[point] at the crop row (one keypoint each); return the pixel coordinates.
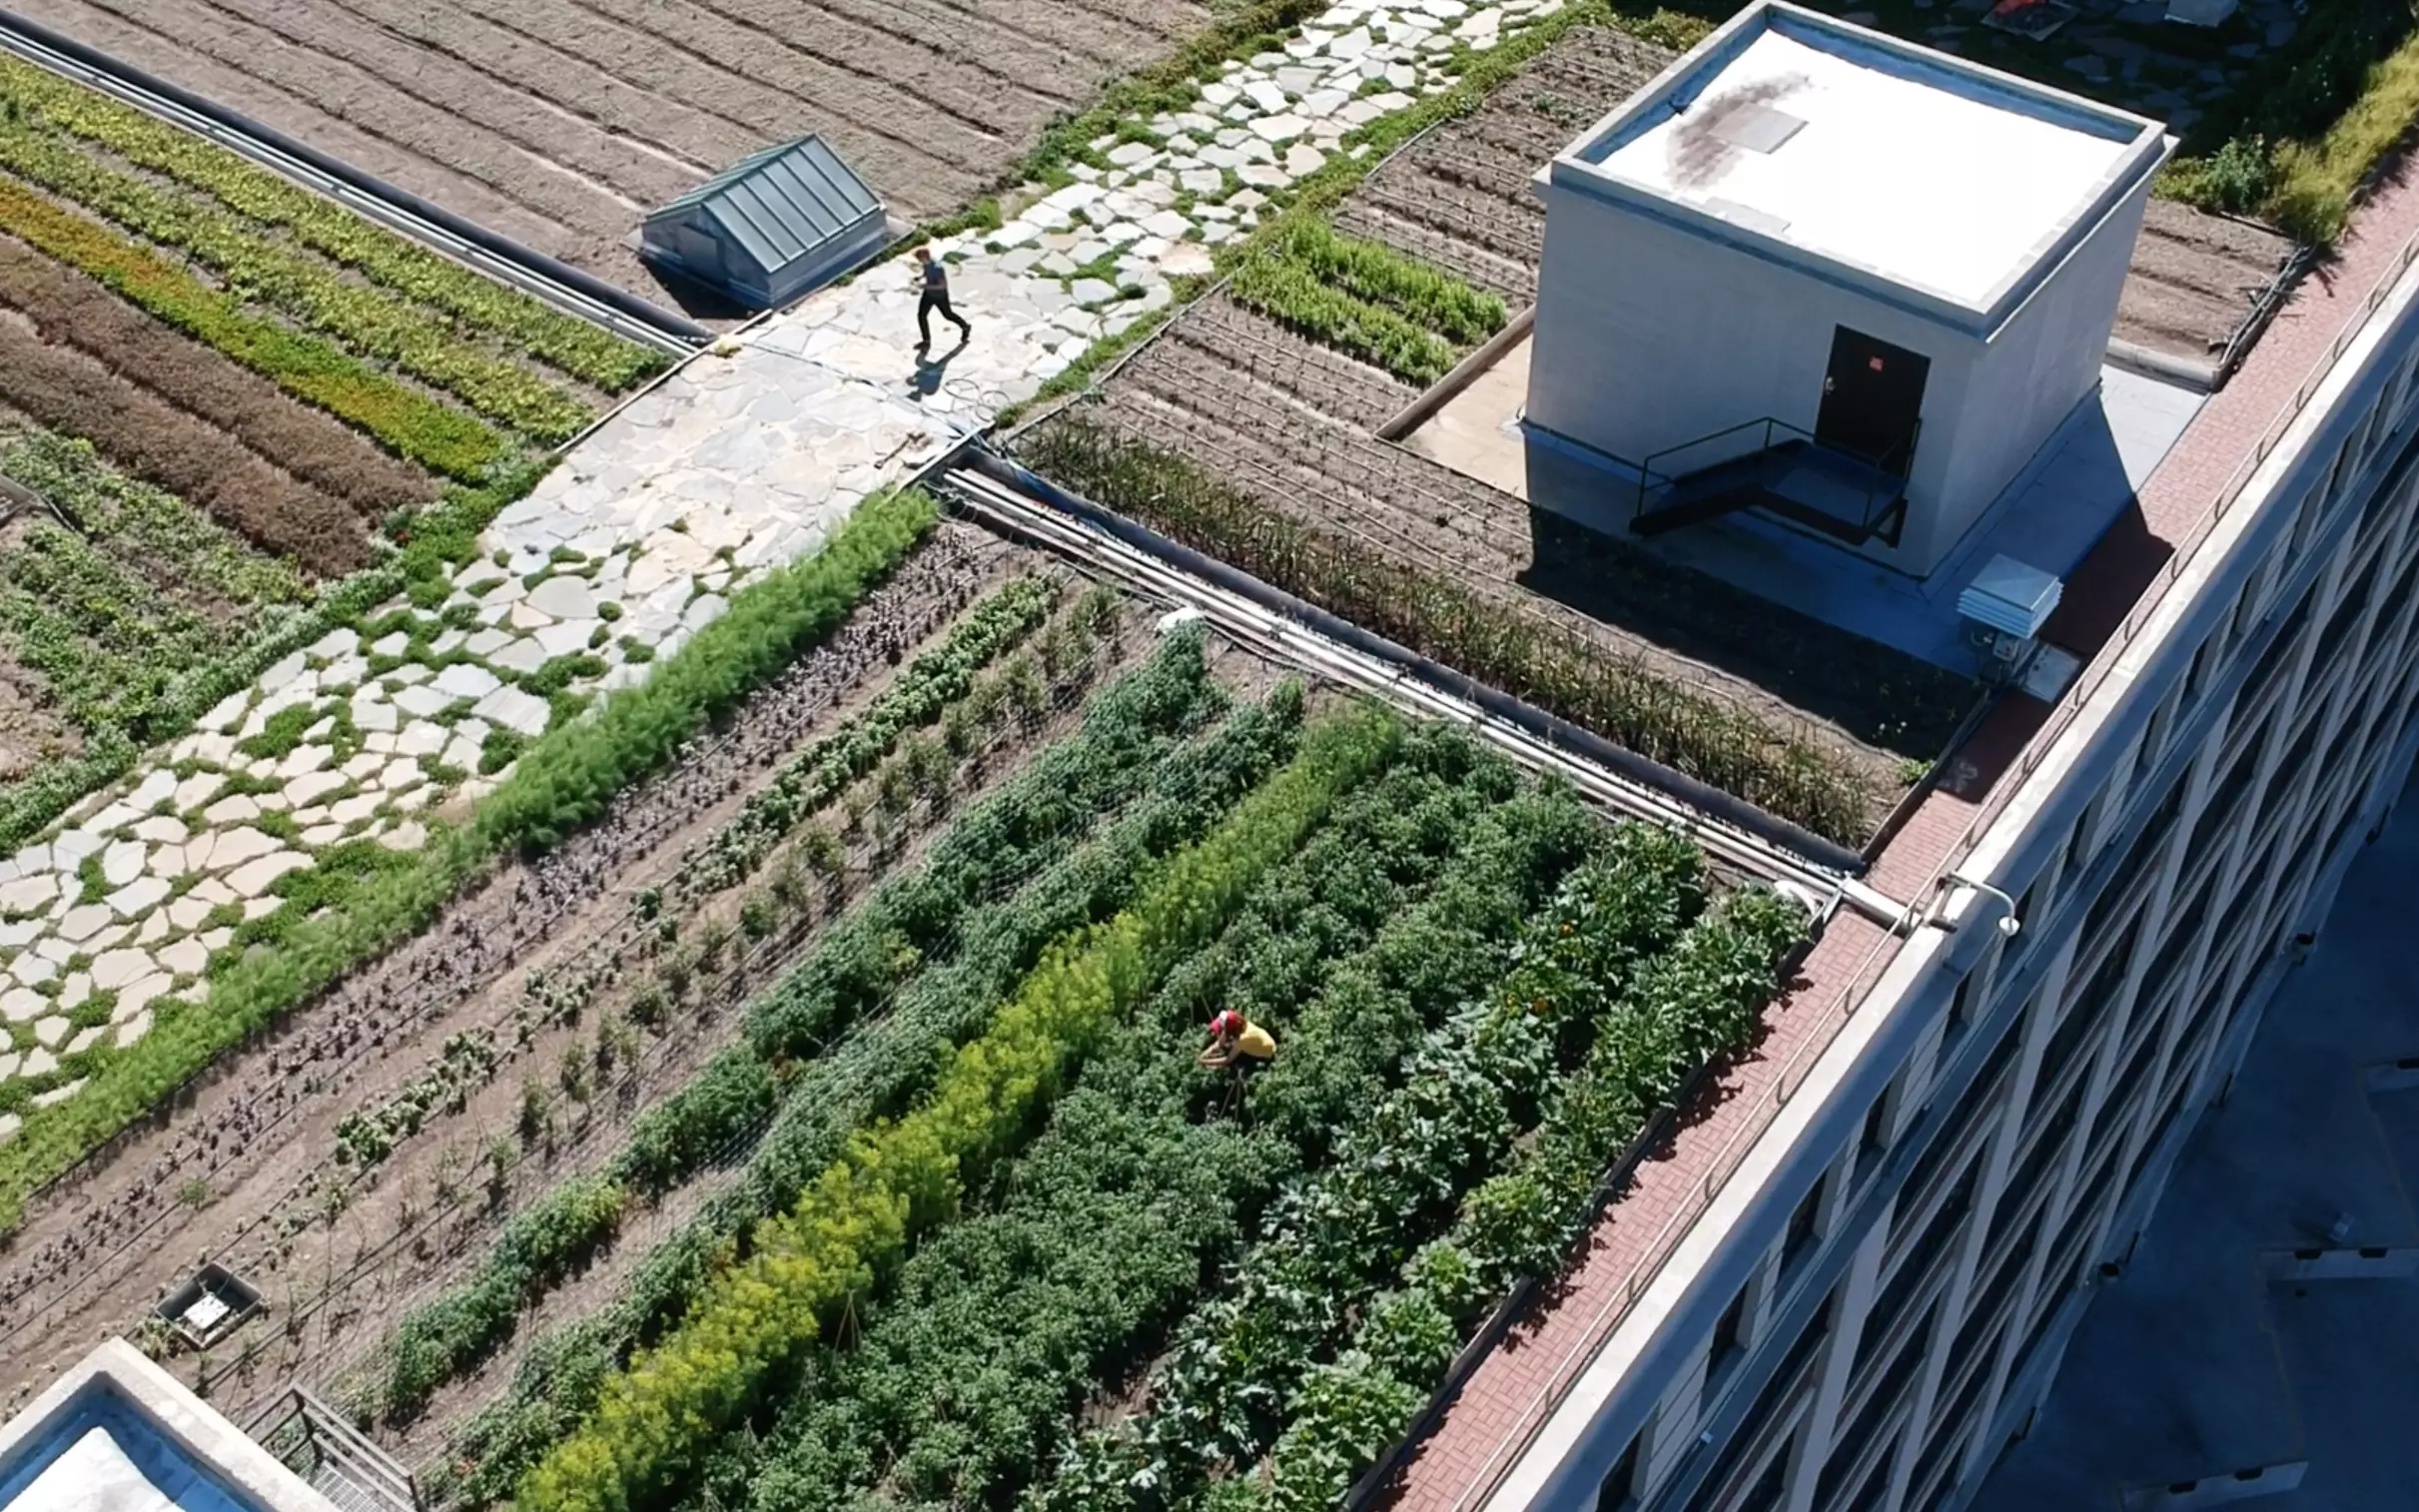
(809, 780)
(1699, 1002)
(898, 1179)
(1298, 299)
(362, 317)
(97, 632)
(71, 309)
(961, 1374)
(1553, 667)
(409, 423)
(861, 1022)
(881, 1065)
(570, 344)
(1332, 1329)
(190, 556)
(564, 779)
(1398, 1165)
(733, 1093)
(1364, 298)
(64, 391)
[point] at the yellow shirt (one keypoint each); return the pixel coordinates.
(1256, 1043)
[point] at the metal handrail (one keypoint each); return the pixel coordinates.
(1650, 477)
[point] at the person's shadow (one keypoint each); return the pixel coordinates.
(931, 370)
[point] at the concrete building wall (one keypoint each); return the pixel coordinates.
(1649, 337)
(1914, 1271)
(2038, 368)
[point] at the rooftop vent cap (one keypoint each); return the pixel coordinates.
(1758, 128)
(2010, 597)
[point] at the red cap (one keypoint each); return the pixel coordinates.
(1227, 1022)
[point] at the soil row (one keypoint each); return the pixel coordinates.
(1324, 380)
(383, 1295)
(95, 1248)
(443, 178)
(182, 32)
(69, 308)
(211, 470)
(1634, 605)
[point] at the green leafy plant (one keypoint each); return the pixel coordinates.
(899, 1178)
(409, 423)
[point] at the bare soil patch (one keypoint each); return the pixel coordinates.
(561, 122)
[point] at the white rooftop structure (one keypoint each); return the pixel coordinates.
(1841, 279)
(119, 1434)
(1853, 149)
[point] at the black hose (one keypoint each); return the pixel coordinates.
(1732, 811)
(527, 258)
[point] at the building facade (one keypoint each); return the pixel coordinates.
(1877, 1299)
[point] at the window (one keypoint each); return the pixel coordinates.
(1722, 1351)
(1984, 1316)
(2218, 807)
(2084, 1012)
(1850, 1445)
(2347, 614)
(1950, 1430)
(1875, 1141)
(2120, 888)
(2027, 1177)
(1796, 1242)
(1923, 1260)
(1622, 1485)
(1960, 1010)
(2182, 931)
(2278, 653)
(2119, 1098)
(1765, 1495)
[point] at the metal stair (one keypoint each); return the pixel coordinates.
(1793, 477)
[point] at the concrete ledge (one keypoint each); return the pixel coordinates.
(2373, 1263)
(212, 1457)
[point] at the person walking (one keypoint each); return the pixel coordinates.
(936, 297)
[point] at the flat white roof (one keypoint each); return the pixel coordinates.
(1949, 180)
(119, 1434)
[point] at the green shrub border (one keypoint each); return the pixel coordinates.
(565, 778)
